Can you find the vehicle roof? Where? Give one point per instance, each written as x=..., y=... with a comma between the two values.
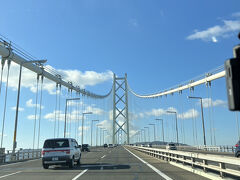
x=59, y=139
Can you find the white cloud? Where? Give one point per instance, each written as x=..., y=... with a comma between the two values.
x=4, y=135
x=159, y=112
x=29, y=103
x=133, y=22
x=208, y=102
x=19, y=108
x=32, y=117
x=87, y=78
x=236, y=14
x=84, y=128
x=212, y=33
x=29, y=78
x=214, y=39
x=191, y=113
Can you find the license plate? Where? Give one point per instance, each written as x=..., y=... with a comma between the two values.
x=55, y=159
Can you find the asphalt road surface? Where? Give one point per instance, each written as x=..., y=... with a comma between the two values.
x=100, y=164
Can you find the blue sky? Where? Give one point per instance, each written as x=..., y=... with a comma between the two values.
x=159, y=44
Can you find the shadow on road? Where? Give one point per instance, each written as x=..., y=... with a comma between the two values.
x=95, y=166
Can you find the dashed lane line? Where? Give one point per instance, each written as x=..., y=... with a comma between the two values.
x=80, y=174
x=152, y=167
x=103, y=157
x=9, y=174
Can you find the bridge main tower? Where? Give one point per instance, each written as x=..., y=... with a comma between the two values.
x=120, y=109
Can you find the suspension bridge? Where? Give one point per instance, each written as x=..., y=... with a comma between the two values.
x=186, y=114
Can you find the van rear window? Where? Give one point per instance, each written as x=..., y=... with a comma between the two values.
x=56, y=143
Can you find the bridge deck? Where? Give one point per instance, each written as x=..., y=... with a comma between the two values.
x=101, y=164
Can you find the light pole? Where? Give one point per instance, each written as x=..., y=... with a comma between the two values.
x=83, y=122
x=162, y=128
x=143, y=130
x=98, y=126
x=148, y=133
x=203, y=126
x=91, y=131
x=104, y=135
x=101, y=130
x=65, y=121
x=153, y=131
x=176, y=123
x=18, y=97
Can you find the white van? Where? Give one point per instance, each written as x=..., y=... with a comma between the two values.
x=63, y=151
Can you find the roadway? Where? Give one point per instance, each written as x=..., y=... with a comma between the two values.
x=101, y=164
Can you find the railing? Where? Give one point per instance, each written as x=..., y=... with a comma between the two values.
x=227, y=149
x=208, y=163
x=20, y=156
x=230, y=149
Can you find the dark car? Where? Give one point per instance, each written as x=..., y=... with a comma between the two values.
x=105, y=145
x=85, y=147
x=237, y=150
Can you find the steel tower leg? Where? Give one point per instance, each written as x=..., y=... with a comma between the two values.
x=120, y=108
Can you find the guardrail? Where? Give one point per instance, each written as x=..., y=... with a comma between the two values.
x=230, y=149
x=19, y=156
x=222, y=165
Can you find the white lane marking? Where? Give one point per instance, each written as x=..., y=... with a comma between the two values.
x=152, y=167
x=9, y=174
x=80, y=174
x=100, y=165
x=18, y=163
x=103, y=156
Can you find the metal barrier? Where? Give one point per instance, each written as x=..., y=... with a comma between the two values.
x=223, y=165
x=20, y=156
x=230, y=149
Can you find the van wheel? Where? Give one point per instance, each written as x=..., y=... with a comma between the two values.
x=45, y=166
x=71, y=163
x=79, y=161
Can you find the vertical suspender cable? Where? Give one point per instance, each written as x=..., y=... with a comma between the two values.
x=36, y=107
x=59, y=108
x=237, y=122
x=212, y=118
x=5, y=102
x=193, y=114
x=70, y=114
x=55, y=117
x=209, y=112
x=2, y=63
x=40, y=112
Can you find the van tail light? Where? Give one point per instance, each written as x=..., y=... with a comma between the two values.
x=237, y=145
x=43, y=153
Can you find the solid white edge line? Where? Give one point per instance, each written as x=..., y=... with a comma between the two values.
x=9, y=174
x=80, y=174
x=152, y=167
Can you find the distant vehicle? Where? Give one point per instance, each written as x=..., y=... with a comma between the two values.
x=110, y=145
x=149, y=145
x=142, y=145
x=171, y=146
x=63, y=151
x=105, y=145
x=85, y=147
x=237, y=150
